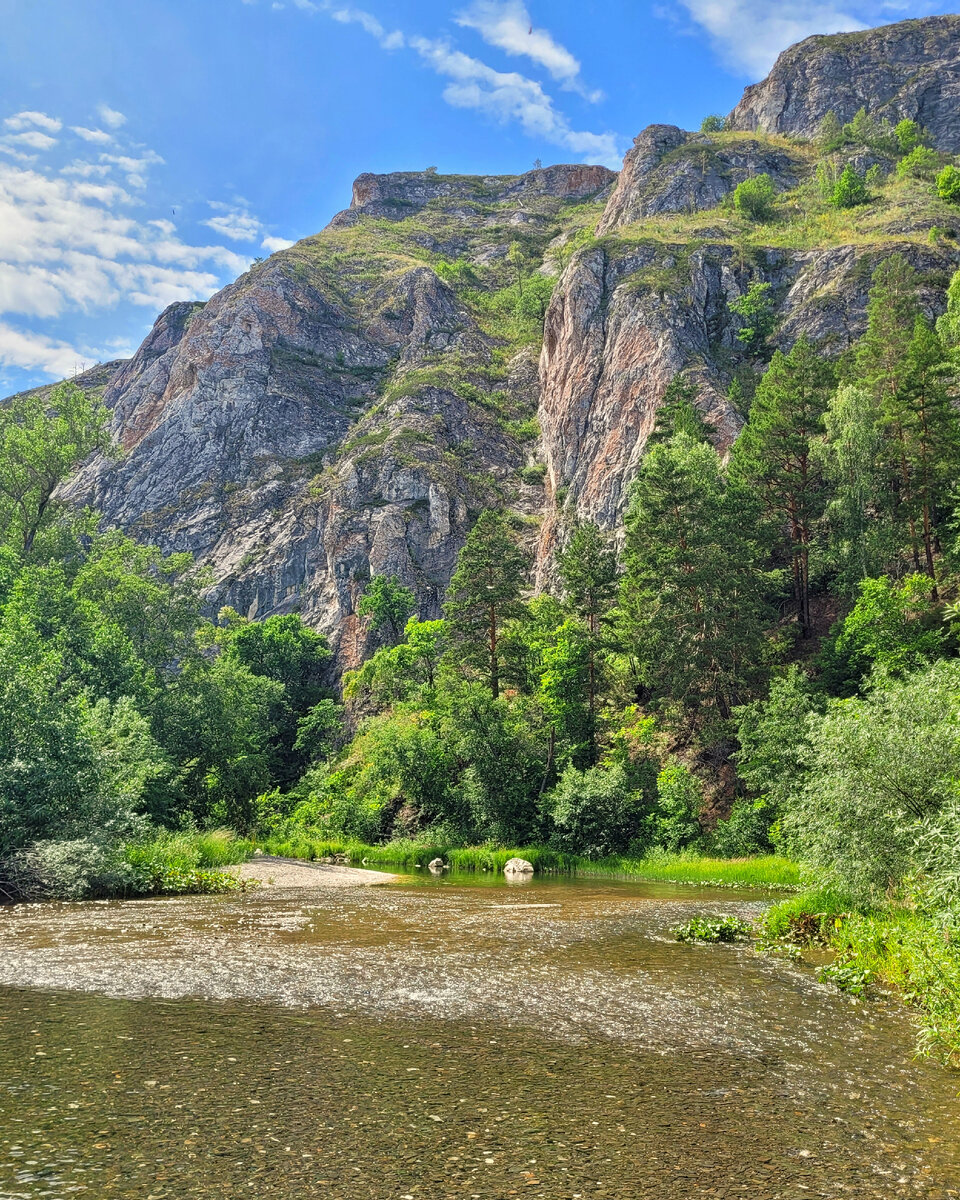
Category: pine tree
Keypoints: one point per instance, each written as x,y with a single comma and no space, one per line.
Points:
677,412
693,600
774,455
388,604
484,593
588,573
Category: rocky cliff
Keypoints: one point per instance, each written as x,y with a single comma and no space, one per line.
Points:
911,69
449,343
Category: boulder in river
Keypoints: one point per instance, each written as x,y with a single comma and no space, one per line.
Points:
518,866
436,866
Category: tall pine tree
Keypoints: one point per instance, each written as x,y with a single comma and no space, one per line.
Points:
484,594
774,455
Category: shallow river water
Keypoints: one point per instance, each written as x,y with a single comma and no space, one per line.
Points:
453,1039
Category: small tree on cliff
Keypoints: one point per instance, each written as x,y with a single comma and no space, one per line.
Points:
388,604
484,593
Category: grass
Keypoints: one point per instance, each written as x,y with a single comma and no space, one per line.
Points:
897,947
762,872
176,863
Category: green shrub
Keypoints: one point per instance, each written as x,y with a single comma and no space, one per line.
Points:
746,831
754,198
675,821
594,812
713,124
850,189
714,929
534,474
909,135
948,185
920,163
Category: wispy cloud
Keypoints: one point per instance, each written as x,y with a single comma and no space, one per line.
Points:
233,221
110,116
100,136
749,34
510,96
32,138
507,24
506,96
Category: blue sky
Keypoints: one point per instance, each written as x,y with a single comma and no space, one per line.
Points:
149,149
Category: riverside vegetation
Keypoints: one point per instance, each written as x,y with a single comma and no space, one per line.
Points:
761,687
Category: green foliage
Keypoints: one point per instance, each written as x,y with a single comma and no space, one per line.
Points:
484,593
388,604
920,163
674,823
713,124
755,310
693,598
754,198
714,929
846,977
746,831
43,439
850,189
596,813
948,184
910,135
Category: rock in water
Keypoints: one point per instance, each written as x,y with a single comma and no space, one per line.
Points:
518,866
436,866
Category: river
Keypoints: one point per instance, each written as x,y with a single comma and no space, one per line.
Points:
445,1039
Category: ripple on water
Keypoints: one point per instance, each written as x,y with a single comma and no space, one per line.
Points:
396,1039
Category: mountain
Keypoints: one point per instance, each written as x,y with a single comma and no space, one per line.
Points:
450,343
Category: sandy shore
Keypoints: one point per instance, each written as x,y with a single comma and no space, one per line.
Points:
295,873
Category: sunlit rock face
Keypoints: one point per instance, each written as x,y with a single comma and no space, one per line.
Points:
911,69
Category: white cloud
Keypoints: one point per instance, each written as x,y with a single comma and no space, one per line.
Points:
38,120
749,34
234,221
393,40
273,244
110,116
74,239
507,24
92,135
509,96
504,95
32,138
35,352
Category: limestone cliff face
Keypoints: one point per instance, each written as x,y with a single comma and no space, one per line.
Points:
911,69
349,406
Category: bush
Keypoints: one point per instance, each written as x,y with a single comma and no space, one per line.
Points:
675,821
747,830
713,929
920,163
850,189
754,198
594,812
534,474
948,185
909,135
713,124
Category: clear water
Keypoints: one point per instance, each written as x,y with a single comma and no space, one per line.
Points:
441,1039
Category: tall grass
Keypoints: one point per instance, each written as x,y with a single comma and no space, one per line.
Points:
174,863
766,872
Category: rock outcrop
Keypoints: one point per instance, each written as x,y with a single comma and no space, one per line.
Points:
911,69
669,171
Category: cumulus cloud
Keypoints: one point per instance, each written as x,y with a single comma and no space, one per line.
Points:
510,96
33,120
749,34
35,352
507,24
273,244
110,116
33,138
